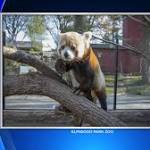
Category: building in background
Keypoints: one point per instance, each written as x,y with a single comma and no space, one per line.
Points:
129,62
132,32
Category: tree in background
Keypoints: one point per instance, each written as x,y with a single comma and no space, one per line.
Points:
65,23
32,26
108,26
35,26
13,25
35,29
103,26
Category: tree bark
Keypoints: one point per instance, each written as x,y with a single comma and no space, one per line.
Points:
50,84
146,64
37,118
80,23
49,118
23,57
78,105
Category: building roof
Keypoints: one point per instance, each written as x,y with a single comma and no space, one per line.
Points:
105,46
102,45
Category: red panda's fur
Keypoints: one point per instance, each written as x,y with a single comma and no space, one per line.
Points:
84,64
86,72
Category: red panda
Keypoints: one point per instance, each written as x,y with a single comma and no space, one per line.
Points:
74,49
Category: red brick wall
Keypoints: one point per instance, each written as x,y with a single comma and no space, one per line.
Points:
129,63
132,32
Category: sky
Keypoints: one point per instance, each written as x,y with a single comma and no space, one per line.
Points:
48,40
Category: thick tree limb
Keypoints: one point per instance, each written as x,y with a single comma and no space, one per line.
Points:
37,118
40,118
23,57
46,85
80,106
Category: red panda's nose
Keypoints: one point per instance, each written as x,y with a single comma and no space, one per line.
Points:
66,54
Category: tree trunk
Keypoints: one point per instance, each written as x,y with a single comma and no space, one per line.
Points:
23,57
146,64
42,85
79,23
146,72
50,84
48,118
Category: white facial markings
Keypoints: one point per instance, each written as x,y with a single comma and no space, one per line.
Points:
67,54
81,44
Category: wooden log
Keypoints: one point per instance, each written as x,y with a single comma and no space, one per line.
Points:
78,105
36,118
133,117
52,118
23,57
50,84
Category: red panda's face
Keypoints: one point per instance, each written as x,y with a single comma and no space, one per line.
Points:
72,46
68,53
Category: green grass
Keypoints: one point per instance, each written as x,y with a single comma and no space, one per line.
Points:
120,90
109,90
127,84
109,78
139,90
123,79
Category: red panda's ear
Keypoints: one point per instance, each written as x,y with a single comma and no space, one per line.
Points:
61,34
87,35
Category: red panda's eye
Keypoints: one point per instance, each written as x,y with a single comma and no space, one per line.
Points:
73,47
62,47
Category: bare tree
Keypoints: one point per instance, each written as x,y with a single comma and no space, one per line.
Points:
80,23
58,23
107,27
13,24
61,23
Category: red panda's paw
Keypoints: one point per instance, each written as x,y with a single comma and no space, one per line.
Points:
77,91
60,66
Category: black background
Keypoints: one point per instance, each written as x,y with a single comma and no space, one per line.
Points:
76,6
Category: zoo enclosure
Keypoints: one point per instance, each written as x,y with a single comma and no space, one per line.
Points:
120,59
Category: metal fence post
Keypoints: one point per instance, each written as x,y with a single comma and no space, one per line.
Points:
116,74
4,44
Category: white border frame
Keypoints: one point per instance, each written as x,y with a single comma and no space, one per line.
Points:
1,67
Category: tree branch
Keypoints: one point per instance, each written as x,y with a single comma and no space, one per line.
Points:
128,47
50,86
23,57
137,20
46,118
147,18
42,85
